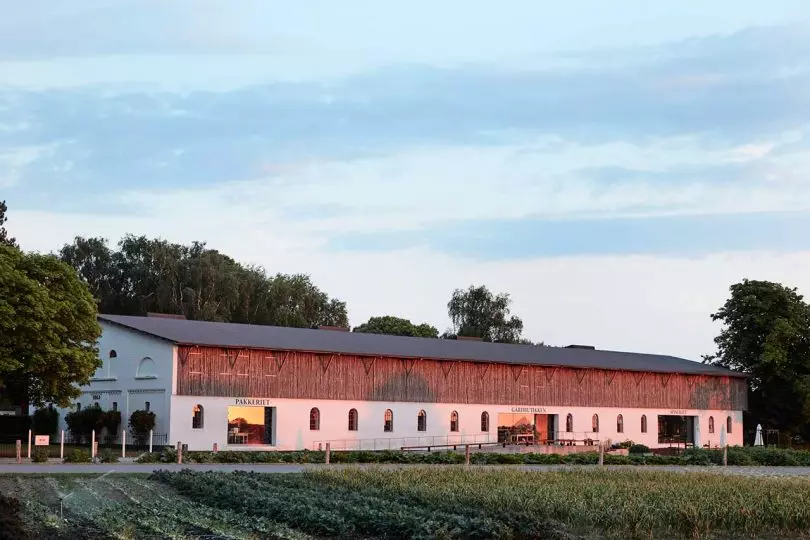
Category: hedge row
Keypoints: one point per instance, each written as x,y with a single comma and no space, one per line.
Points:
736,456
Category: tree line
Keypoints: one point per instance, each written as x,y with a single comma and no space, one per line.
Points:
49,303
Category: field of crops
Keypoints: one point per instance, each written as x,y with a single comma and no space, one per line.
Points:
407,503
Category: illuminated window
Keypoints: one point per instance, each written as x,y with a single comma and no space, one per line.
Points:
421,421
389,420
197,418
711,424
569,423
485,421
619,424
644,423
728,425
352,419
454,421
595,423
314,419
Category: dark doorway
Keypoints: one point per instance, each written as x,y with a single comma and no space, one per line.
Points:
677,430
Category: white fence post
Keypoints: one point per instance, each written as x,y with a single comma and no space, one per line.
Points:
62,444
124,444
29,444
150,441
93,444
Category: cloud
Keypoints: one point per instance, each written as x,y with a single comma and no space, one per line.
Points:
640,303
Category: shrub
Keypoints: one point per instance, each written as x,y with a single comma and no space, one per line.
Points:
81,423
622,445
77,455
638,449
108,456
141,423
39,454
148,457
112,421
45,421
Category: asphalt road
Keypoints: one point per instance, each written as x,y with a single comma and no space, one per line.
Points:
13,468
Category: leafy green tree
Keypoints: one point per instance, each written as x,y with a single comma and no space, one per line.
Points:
4,238
477,312
48,328
766,335
396,326
145,275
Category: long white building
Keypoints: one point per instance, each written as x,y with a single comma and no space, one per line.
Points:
256,387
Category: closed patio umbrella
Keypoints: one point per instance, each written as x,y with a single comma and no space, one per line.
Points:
758,438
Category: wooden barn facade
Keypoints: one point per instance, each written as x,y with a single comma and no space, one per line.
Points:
242,386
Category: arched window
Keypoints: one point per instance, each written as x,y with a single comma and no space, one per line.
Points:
352,419
314,419
113,354
595,423
644,423
569,423
421,421
115,405
485,421
389,420
711,424
197,418
146,369
620,424
147,406
454,421
728,425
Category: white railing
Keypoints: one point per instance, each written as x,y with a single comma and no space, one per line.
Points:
395,443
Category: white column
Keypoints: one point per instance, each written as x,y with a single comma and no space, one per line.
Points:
62,444
29,444
124,444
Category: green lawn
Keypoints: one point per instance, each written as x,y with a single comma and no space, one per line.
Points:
412,503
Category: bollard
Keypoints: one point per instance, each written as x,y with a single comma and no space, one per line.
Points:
150,441
179,452
123,444
601,454
62,444
19,451
93,444
29,444
215,448
328,455
467,455
725,456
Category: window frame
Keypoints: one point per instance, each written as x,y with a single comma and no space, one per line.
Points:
388,421
354,421
314,419
569,423
197,417
729,424
421,420
454,422
711,424
619,424
485,422
595,423
644,423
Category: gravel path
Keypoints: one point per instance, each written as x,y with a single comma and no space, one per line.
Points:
279,468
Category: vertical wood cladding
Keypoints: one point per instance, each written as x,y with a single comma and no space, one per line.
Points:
209,371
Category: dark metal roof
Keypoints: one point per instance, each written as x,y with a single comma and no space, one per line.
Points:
281,338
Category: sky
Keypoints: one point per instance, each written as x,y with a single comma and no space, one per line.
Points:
613,166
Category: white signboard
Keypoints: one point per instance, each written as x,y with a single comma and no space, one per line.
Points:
42,440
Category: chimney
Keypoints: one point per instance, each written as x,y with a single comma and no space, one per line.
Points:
334,328
166,316
469,338
586,347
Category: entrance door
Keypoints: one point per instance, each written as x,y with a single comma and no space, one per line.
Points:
544,427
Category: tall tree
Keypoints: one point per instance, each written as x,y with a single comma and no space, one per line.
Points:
48,328
766,335
395,326
149,275
477,312
4,238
